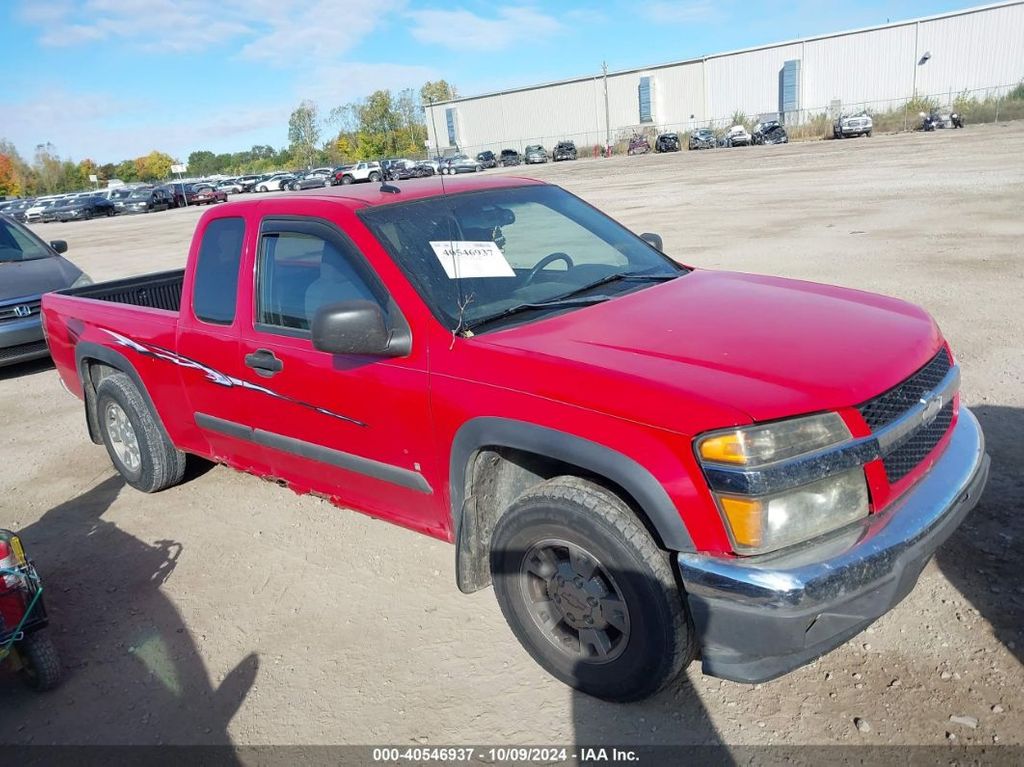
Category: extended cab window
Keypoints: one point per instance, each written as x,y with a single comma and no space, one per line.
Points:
216,281
300,271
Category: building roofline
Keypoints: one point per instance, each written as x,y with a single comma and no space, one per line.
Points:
766,46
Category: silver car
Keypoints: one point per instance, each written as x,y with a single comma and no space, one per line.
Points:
28,268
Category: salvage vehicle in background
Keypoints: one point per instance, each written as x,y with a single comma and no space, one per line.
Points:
40,209
633,501
460,163
737,136
229,186
16,210
770,132
487,159
275,183
308,181
204,194
509,158
937,120
667,142
638,144
29,268
848,126
564,150
535,153
145,200
702,138
82,208
361,171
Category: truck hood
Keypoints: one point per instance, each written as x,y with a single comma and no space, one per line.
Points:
39,275
728,343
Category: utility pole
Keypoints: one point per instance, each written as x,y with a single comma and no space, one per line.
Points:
433,123
607,122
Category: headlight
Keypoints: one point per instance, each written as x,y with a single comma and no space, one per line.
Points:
83,280
760,445
767,523
760,523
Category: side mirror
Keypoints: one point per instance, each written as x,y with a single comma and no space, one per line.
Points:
60,246
654,240
354,327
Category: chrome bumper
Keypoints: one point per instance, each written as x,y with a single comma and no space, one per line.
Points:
759,617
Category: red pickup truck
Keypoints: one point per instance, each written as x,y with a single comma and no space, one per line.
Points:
649,462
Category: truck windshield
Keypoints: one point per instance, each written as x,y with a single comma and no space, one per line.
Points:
476,255
18,245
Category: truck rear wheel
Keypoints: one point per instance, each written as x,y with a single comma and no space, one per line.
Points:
146,459
588,593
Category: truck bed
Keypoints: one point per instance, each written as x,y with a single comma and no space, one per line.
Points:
159,290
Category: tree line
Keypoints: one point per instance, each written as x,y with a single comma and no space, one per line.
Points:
384,124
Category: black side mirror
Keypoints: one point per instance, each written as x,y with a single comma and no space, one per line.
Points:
60,246
354,327
654,240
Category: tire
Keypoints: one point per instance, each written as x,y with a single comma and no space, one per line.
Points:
41,668
629,654
137,447
868,134
346,180
261,189
374,177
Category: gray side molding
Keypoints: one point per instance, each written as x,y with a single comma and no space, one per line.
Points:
597,459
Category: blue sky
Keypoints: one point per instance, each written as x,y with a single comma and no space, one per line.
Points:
113,79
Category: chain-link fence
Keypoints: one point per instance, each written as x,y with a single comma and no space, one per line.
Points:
983,105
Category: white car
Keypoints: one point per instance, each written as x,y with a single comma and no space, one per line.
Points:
35,213
852,125
738,136
229,187
275,183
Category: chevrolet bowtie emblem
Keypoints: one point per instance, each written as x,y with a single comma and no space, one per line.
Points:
932,407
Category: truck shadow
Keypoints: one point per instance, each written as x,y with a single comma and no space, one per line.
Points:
26,368
133,674
984,557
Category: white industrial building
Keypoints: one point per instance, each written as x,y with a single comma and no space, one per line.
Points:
879,68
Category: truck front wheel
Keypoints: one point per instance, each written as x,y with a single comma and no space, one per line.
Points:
146,459
588,593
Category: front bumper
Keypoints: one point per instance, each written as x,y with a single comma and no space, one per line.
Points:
759,617
22,340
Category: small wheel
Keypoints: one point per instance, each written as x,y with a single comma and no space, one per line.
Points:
588,593
146,459
40,662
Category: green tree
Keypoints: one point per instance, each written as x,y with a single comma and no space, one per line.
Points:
437,90
126,171
304,132
155,166
202,163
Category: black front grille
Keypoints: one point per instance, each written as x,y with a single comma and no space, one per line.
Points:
8,353
887,407
901,461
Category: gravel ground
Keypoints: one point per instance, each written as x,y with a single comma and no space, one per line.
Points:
228,610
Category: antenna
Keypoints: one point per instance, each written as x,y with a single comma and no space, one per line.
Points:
385,187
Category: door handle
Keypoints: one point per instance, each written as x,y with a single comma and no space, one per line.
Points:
264,363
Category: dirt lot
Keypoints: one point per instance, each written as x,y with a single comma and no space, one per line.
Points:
230,610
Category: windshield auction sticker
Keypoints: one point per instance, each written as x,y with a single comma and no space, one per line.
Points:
462,259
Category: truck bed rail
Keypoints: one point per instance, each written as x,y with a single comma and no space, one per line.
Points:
160,290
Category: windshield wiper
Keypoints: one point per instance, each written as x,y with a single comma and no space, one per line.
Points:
554,303
616,277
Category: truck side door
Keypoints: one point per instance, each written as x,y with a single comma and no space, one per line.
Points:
355,428
211,368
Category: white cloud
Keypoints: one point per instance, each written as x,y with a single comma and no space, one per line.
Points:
461,29
278,31
681,11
